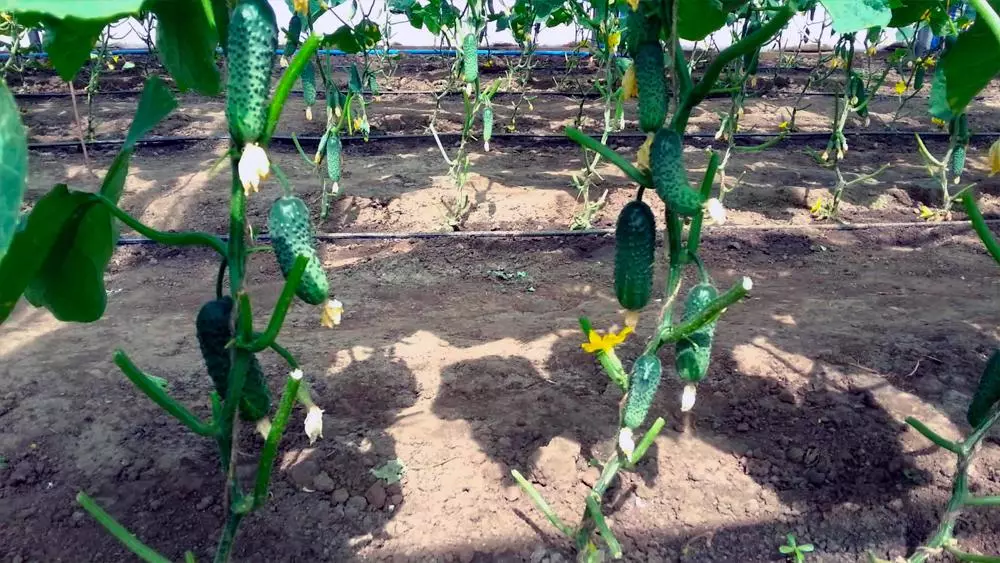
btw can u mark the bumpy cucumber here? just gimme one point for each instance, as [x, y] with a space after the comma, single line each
[692, 354]
[308, 77]
[292, 235]
[333, 150]
[214, 333]
[666, 160]
[957, 162]
[635, 253]
[643, 383]
[293, 36]
[487, 123]
[470, 59]
[918, 77]
[857, 90]
[253, 37]
[373, 84]
[652, 86]
[987, 393]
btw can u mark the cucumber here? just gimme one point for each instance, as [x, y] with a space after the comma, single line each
[308, 77]
[918, 77]
[957, 162]
[635, 253]
[652, 86]
[643, 383]
[470, 58]
[373, 84]
[692, 354]
[333, 150]
[214, 333]
[666, 159]
[857, 90]
[292, 235]
[293, 36]
[987, 393]
[253, 38]
[487, 125]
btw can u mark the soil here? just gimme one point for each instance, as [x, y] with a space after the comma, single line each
[462, 359]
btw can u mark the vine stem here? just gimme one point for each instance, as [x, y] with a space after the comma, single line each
[266, 463]
[985, 11]
[186, 238]
[671, 333]
[132, 543]
[979, 224]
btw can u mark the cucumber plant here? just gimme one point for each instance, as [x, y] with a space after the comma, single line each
[56, 254]
[661, 170]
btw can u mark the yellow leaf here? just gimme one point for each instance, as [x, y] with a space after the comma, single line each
[642, 157]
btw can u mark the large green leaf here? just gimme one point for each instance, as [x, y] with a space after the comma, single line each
[82, 9]
[37, 235]
[856, 15]
[69, 42]
[698, 18]
[911, 11]
[186, 40]
[13, 167]
[965, 69]
[156, 103]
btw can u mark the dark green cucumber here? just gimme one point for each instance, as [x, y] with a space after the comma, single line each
[643, 383]
[470, 58]
[692, 354]
[253, 38]
[635, 253]
[918, 76]
[650, 78]
[666, 161]
[214, 333]
[987, 393]
[308, 77]
[292, 235]
[957, 161]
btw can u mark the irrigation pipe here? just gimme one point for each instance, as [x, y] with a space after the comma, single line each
[313, 140]
[417, 235]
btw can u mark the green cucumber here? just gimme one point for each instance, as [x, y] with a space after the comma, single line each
[666, 160]
[333, 151]
[253, 38]
[293, 36]
[635, 253]
[214, 333]
[692, 354]
[308, 77]
[487, 124]
[292, 235]
[643, 383]
[957, 162]
[987, 392]
[652, 85]
[470, 58]
[918, 76]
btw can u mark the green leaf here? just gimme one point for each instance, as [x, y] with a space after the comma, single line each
[69, 42]
[13, 167]
[156, 103]
[354, 83]
[965, 69]
[787, 549]
[82, 9]
[910, 11]
[696, 19]
[806, 548]
[186, 40]
[857, 15]
[38, 234]
[391, 471]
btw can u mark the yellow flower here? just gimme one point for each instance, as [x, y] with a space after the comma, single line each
[333, 310]
[301, 6]
[253, 168]
[357, 123]
[816, 207]
[613, 40]
[630, 88]
[900, 87]
[642, 157]
[926, 16]
[939, 122]
[605, 342]
[928, 62]
[835, 63]
[870, 51]
[995, 158]
[783, 126]
[634, 4]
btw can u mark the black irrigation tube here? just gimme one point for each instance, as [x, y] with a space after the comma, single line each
[542, 138]
[421, 235]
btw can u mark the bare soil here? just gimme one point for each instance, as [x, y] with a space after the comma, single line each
[462, 359]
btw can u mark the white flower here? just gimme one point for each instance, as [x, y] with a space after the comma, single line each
[264, 427]
[716, 212]
[687, 397]
[254, 167]
[333, 310]
[314, 423]
[309, 113]
[625, 442]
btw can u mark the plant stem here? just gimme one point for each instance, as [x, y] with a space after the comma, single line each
[694, 234]
[979, 224]
[158, 395]
[187, 238]
[594, 509]
[281, 307]
[584, 140]
[284, 353]
[933, 436]
[982, 501]
[672, 333]
[971, 557]
[302, 57]
[539, 501]
[985, 12]
[120, 533]
[266, 463]
[228, 537]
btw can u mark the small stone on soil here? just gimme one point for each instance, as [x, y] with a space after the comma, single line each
[324, 483]
[376, 496]
[340, 496]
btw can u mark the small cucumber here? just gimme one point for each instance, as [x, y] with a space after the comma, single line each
[292, 235]
[643, 383]
[253, 38]
[692, 354]
[666, 159]
[987, 393]
[652, 86]
[635, 253]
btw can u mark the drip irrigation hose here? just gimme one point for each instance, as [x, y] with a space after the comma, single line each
[419, 235]
[558, 138]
